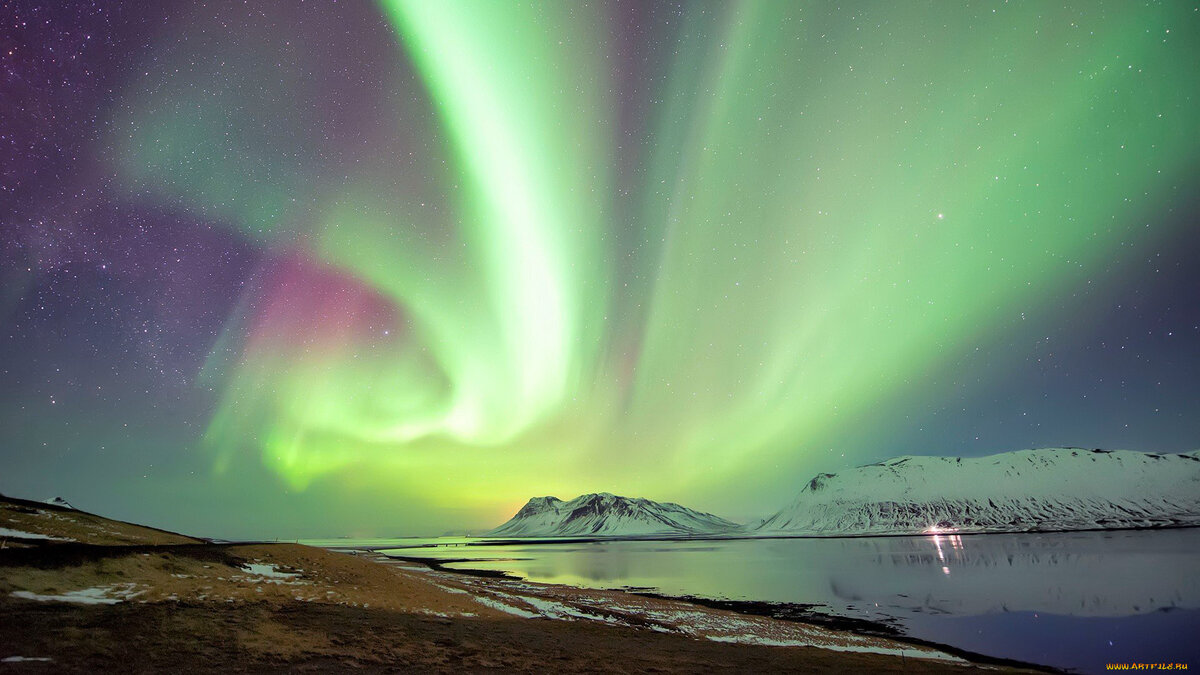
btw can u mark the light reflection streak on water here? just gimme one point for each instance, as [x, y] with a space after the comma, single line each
[955, 542]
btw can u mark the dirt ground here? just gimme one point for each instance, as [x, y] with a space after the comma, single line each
[69, 524]
[264, 636]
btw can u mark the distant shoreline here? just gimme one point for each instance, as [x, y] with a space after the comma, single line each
[536, 541]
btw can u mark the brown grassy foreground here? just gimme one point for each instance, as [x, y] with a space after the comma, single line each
[174, 605]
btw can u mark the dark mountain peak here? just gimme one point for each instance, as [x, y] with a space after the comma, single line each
[603, 513]
[819, 481]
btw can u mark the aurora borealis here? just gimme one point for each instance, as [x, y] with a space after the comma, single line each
[342, 268]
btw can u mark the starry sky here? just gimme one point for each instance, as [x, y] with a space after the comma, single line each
[389, 268]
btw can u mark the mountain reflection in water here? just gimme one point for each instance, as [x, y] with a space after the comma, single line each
[1068, 599]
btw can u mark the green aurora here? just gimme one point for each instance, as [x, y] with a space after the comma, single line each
[537, 274]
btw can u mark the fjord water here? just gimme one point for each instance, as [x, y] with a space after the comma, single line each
[1073, 600]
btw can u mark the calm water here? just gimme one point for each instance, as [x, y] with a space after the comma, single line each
[1072, 600]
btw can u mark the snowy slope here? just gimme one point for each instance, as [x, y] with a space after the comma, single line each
[1049, 489]
[608, 515]
[59, 501]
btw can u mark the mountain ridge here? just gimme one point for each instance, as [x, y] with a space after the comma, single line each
[606, 514]
[1019, 491]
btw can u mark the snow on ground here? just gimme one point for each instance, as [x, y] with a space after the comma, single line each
[18, 534]
[100, 595]
[507, 609]
[756, 640]
[271, 574]
[20, 659]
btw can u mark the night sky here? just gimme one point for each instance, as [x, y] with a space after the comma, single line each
[312, 269]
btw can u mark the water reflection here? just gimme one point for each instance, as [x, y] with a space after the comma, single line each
[1068, 599]
[954, 541]
[1075, 574]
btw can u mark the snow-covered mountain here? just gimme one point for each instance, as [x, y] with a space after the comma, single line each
[608, 515]
[1048, 489]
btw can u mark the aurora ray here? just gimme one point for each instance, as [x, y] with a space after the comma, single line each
[830, 230]
[531, 248]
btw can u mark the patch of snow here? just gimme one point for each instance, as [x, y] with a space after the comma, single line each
[269, 571]
[269, 574]
[18, 534]
[557, 610]
[757, 640]
[508, 609]
[101, 595]
[20, 659]
[911, 653]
